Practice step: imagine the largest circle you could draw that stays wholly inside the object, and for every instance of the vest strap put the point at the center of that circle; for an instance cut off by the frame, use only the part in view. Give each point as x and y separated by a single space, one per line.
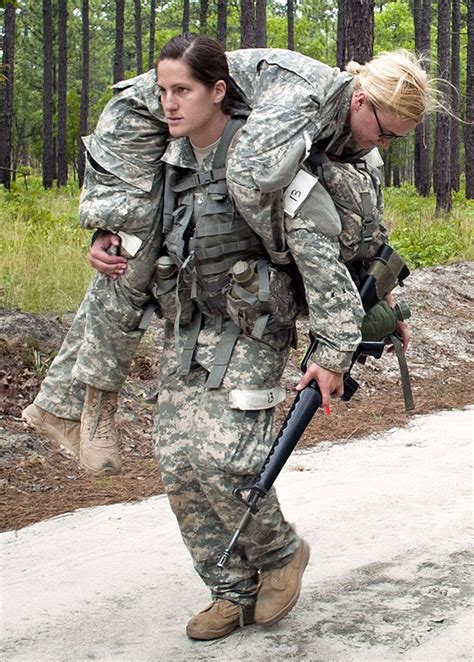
224 351
200 178
189 344
146 317
404 374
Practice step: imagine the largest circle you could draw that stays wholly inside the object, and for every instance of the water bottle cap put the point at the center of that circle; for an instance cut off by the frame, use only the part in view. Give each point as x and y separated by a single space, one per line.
242 271
165 266
402 310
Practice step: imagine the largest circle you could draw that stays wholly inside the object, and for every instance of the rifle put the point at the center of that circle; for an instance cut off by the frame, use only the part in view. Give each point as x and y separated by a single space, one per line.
386 271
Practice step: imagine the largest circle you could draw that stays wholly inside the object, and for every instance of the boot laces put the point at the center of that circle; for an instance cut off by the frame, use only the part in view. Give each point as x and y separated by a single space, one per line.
103 424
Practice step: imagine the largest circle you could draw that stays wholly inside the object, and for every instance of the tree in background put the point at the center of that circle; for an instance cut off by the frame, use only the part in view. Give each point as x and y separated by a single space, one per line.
62 93
222 23
260 23
84 107
455 100
48 96
312 27
203 14
422 24
186 13
290 9
138 36
119 69
469 126
151 41
358 30
6 95
247 24
340 62
442 176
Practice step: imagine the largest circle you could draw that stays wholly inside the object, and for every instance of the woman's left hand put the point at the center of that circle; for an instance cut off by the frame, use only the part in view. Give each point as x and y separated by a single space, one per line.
403 333
330 383
402 330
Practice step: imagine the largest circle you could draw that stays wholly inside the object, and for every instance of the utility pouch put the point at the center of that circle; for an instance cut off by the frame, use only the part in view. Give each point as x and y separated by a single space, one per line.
381 321
172 291
266 304
385 272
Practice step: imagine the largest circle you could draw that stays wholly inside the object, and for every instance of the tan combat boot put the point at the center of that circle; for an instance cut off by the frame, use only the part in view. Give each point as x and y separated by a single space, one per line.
100 452
220 618
63 431
280 589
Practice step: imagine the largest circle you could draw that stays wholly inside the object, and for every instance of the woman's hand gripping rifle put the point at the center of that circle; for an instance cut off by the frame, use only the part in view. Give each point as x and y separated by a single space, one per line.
307 401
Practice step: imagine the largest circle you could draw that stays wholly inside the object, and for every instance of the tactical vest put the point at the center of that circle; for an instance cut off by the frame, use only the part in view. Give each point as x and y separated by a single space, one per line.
205 238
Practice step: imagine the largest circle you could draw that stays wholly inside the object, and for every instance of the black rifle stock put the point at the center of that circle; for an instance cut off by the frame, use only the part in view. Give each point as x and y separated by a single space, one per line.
308 400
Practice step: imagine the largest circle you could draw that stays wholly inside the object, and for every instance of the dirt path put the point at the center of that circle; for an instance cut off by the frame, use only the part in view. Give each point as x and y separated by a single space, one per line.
389 578
37 480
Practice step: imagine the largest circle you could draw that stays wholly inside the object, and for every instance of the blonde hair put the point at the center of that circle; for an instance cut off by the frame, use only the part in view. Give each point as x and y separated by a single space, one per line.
397 83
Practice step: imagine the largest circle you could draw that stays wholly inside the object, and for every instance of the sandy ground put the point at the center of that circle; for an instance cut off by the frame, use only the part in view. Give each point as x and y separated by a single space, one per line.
387 518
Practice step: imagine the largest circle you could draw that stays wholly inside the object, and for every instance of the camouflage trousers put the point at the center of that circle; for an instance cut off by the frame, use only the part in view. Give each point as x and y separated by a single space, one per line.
206 449
103 337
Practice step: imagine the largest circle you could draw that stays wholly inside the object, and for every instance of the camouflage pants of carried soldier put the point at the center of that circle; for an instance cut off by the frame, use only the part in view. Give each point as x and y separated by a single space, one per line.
205 449
103 337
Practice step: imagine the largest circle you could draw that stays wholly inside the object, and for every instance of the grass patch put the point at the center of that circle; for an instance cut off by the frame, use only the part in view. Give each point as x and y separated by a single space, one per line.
422 238
42 249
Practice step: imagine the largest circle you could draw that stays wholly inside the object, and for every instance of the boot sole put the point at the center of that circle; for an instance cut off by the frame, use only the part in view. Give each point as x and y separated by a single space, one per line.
288 607
107 471
210 634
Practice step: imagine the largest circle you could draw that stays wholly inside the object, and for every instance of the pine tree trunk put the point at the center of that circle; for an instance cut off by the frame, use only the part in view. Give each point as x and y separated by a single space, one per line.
62 93
443 122
261 23
469 117
358 29
203 14
48 96
455 98
340 47
151 42
222 23
138 36
84 110
422 22
186 12
247 24
6 95
119 69
290 13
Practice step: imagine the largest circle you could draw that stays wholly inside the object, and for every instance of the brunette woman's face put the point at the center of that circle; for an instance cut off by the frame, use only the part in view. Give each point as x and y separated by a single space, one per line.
375 128
191 109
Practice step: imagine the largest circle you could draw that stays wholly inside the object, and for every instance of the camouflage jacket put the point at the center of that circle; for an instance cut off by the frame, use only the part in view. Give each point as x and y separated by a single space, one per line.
297 102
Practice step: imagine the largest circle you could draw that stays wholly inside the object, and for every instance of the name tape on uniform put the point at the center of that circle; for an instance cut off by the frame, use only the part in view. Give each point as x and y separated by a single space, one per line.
298 190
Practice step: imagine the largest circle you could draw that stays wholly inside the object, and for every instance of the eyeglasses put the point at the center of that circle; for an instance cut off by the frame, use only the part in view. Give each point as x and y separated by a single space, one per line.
388 135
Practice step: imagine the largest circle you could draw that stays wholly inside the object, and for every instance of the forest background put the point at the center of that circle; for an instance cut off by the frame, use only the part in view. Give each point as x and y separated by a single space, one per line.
60 58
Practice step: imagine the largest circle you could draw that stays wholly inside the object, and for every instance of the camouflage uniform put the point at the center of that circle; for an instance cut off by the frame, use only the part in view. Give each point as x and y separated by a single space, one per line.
311 108
308 103
122 191
204 446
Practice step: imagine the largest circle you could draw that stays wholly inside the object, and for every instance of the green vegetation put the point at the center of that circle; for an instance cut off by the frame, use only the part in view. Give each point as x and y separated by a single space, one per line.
42 248
422 238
